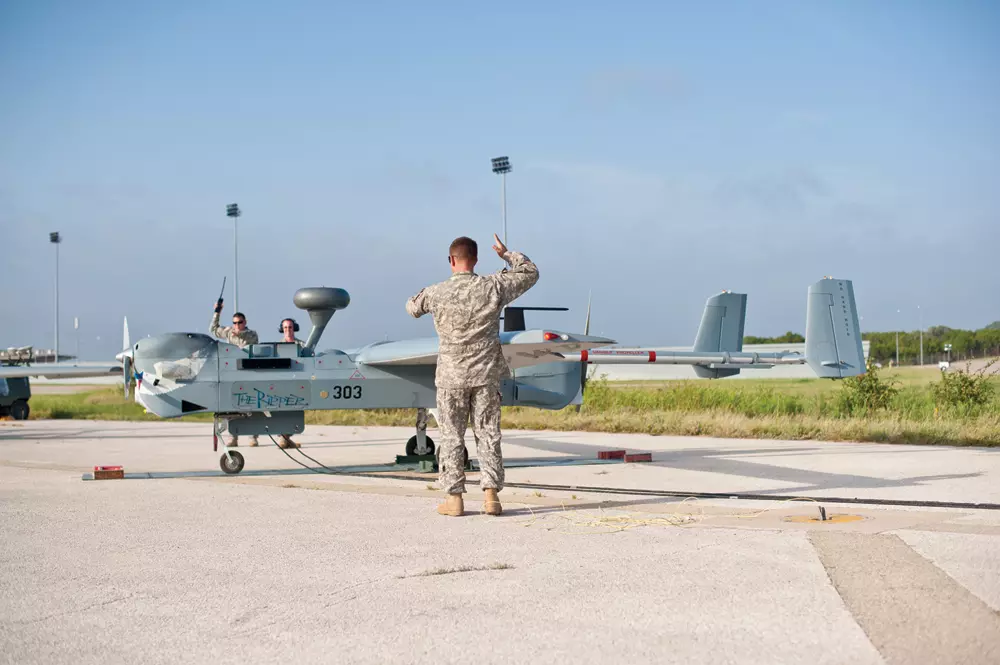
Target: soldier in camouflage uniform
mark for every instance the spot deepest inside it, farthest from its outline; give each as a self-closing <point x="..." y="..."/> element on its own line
<point x="239" y="335"/>
<point x="422" y="418"/>
<point x="470" y="366"/>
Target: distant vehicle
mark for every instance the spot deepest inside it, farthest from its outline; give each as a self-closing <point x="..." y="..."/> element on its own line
<point x="943" y="365"/>
<point x="14" y="396"/>
<point x="15" y="368"/>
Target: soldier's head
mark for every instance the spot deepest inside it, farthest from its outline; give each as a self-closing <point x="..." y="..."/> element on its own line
<point x="463" y="254"/>
<point x="288" y="328"/>
<point x="239" y="322"/>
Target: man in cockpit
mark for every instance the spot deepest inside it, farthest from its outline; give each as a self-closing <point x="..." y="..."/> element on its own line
<point x="288" y="329"/>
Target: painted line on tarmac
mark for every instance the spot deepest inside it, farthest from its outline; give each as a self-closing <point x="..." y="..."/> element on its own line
<point x="911" y="610"/>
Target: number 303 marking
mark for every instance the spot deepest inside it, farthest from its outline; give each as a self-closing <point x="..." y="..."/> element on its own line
<point x="346" y="392"/>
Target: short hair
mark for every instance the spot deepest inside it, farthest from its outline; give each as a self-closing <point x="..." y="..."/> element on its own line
<point x="239" y="314"/>
<point x="464" y="248"/>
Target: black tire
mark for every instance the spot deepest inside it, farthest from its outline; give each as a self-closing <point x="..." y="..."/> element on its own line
<point x="235" y="466"/>
<point x="19" y="410"/>
<point x="411" y="445"/>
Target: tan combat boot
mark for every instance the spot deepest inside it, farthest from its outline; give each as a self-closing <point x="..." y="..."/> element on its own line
<point x="453" y="506"/>
<point x="253" y="441"/>
<point x="288" y="443"/>
<point x="491" y="503"/>
<point x="234" y="442"/>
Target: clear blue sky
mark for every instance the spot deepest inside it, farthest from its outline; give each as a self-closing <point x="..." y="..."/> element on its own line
<point x="662" y="151"/>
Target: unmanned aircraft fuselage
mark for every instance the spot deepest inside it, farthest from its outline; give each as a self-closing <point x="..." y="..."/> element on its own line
<point x="267" y="388"/>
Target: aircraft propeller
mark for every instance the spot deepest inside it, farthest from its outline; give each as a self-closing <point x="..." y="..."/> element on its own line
<point x="126" y="358"/>
<point x="586" y="331"/>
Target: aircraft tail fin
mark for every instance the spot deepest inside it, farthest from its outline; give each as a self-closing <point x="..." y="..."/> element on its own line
<point x="721" y="329"/>
<point x="513" y="316"/>
<point x="833" y="334"/>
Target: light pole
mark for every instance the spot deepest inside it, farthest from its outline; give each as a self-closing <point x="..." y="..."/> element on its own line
<point x="55" y="239"/>
<point x="920" y="312"/>
<point x="76" y="327"/>
<point x="233" y="210"/>
<point x="897" y="340"/>
<point x="947" y="348"/>
<point x="502" y="166"/>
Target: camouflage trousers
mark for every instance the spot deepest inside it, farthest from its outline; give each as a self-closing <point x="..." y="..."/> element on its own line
<point x="455" y="405"/>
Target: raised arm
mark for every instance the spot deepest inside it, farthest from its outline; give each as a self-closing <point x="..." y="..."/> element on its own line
<point x="522" y="275"/>
<point x="215" y="329"/>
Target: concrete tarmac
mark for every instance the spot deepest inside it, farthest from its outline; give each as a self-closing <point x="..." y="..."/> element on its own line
<point x="280" y="565"/>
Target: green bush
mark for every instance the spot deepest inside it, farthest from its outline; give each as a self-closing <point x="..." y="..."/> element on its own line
<point x="964" y="388"/>
<point x="866" y="393"/>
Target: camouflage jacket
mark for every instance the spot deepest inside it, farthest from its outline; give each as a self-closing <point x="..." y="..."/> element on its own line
<point x="229" y="334"/>
<point x="466" y="310"/>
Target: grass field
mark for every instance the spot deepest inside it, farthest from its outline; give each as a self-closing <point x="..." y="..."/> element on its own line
<point x="910" y="377"/>
<point x="764" y="408"/>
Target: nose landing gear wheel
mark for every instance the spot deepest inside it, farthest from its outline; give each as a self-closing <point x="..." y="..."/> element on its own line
<point x="234" y="465"/>
<point x="19" y="410"/>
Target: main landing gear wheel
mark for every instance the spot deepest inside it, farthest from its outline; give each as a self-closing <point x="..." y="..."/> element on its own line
<point x="19" y="410"/>
<point x="233" y="465"/>
<point x="411" y="445"/>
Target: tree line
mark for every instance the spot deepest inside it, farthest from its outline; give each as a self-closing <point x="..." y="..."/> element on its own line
<point x="965" y="344"/>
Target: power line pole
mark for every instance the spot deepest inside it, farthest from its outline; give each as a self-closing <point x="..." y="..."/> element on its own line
<point x="897" y="340"/>
<point x="921" y="313"/>
<point x="55" y="239"/>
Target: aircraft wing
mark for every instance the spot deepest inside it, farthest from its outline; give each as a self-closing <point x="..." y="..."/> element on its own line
<point x="59" y="371"/>
<point x="520" y="349"/>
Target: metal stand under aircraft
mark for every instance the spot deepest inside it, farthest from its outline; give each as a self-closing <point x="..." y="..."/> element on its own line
<point x="232" y="461"/>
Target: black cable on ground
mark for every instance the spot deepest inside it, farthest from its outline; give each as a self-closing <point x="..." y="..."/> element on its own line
<point x="715" y="495"/>
<point x="329" y="471"/>
<point x="666" y="493"/>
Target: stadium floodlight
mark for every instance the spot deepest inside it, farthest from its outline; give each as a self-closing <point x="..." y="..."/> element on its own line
<point x="501" y="166"/>
<point x="233" y="210"/>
